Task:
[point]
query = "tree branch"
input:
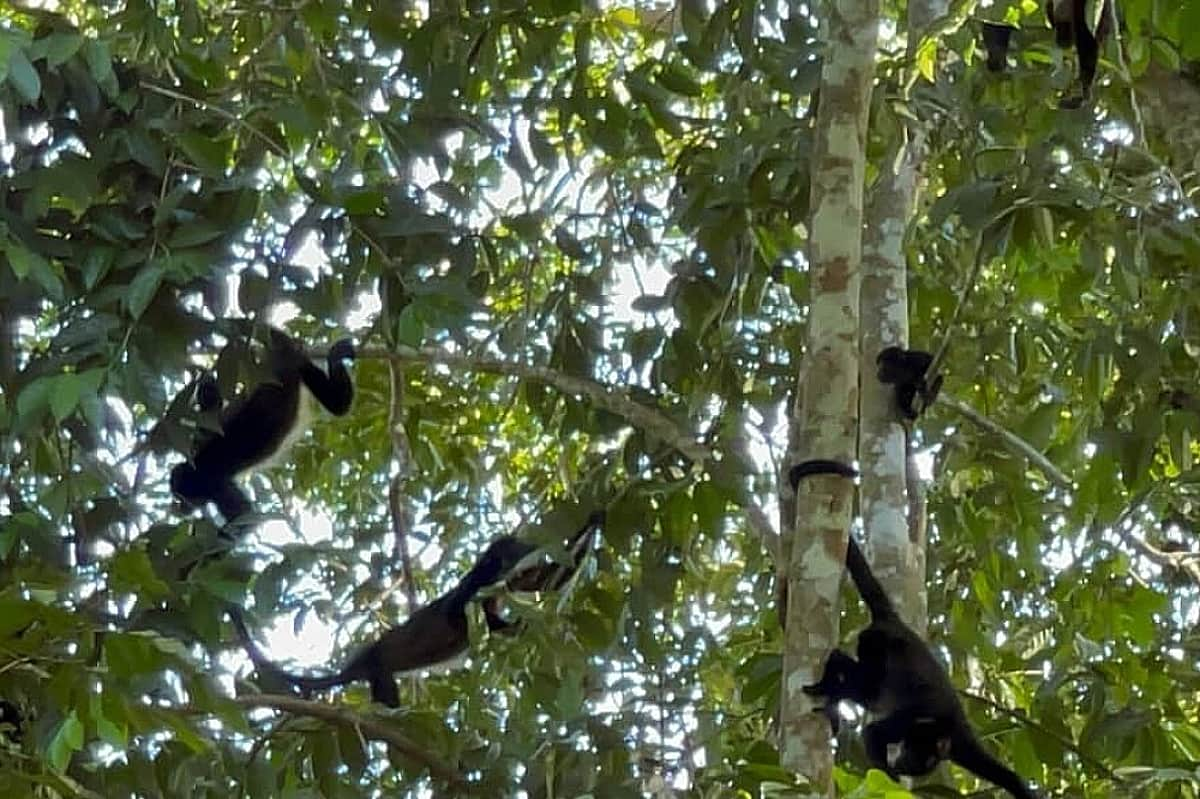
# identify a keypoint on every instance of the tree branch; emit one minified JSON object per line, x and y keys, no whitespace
{"x":645,"y":418}
{"x":1185,"y":562}
{"x":374,"y":728}
{"x":650,"y":420}
{"x":402,"y":456}
{"x":1062,"y":740}
{"x":964,"y":293}
{"x":1010,"y":439}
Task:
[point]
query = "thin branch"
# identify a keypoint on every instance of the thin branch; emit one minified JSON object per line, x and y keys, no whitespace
{"x":647,"y":419}
{"x":964,"y":294}
{"x":240,"y":121}
{"x":1062,"y":740}
{"x":1010,"y":439}
{"x":372,"y":728}
{"x":400,"y":527}
{"x":228,"y":116}
{"x":1185,"y":562}
{"x":402,"y":455}
{"x":756,"y":517}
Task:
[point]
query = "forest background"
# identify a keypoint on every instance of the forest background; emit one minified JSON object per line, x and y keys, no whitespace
{"x":569,"y":239}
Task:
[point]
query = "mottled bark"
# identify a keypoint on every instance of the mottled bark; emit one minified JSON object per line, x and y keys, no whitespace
{"x":825,"y":415}
{"x":893,"y":519}
{"x":883,"y":440}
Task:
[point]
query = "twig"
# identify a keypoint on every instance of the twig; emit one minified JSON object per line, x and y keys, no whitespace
{"x":1063,"y":740}
{"x":279,"y":151}
{"x":1012,"y":440}
{"x":229,"y":116}
{"x":372,"y":728}
{"x":402,"y":455}
{"x":650,"y":420}
{"x":756,"y":517}
{"x":645,"y":418}
{"x":964,"y":293}
{"x":1185,"y":562}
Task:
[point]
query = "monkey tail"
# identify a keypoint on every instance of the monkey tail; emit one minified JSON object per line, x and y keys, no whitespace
{"x":869,"y":589}
{"x":966,"y":751}
{"x":271,"y":671}
{"x":818,"y":466}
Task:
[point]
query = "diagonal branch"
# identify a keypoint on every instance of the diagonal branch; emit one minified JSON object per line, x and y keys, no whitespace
{"x":1063,"y":740}
{"x":374,"y":728}
{"x":1010,"y":439}
{"x":615,"y":401}
{"x":1185,"y":562}
{"x":650,"y":420}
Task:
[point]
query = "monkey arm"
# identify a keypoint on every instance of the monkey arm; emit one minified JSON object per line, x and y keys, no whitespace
{"x":335,"y":391}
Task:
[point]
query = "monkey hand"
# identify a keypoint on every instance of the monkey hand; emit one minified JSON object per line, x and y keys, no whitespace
{"x":342,"y":350}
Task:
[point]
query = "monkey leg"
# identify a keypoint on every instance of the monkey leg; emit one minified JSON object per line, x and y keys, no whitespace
{"x":882,"y":733}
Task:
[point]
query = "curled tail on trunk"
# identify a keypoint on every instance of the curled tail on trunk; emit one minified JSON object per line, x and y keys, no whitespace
{"x":819,"y":466}
{"x":856,"y":563}
{"x":808,"y":468}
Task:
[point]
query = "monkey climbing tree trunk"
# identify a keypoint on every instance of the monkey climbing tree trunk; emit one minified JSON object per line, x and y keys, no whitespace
{"x":824,"y":418}
{"x":891,"y":500}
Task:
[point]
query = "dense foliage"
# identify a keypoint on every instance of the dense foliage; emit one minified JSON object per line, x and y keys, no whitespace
{"x":568,"y":239}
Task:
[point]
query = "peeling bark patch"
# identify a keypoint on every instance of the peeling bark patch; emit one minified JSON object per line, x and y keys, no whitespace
{"x":836,"y":277}
{"x":821,"y":563}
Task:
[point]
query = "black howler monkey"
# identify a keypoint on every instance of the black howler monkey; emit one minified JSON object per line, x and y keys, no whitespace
{"x":434,"y":634}
{"x":11,"y":721}
{"x":906,"y":370}
{"x":260,"y":426}
{"x":901,"y":682}
{"x":1073,"y":27}
{"x":996,"y":38}
{"x":549,"y":576}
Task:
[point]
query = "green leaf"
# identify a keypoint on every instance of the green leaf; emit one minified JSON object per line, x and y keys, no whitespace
{"x":130,"y":655}
{"x":99,"y":61}
{"x":679,"y":79}
{"x":142,"y":289}
{"x":59,"y":48}
{"x":209,"y":154}
{"x":926,"y":59}
{"x":64,"y":395}
{"x":111,"y":733}
{"x":95,"y":265}
{"x":410,"y":330}
{"x":131,"y":572}
{"x":66,"y":741}
{"x":254,"y":291}
{"x":1190,"y":21}
{"x":24,"y":77}
{"x":8,"y":539}
{"x":363,"y":203}
{"x":35,"y":397}
{"x":324,"y":747}
{"x":194,"y":235}
{"x":23,"y":261}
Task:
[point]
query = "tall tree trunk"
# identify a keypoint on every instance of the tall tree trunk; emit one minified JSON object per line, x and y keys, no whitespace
{"x":893,"y":520}
{"x":825,"y":415}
